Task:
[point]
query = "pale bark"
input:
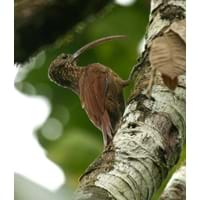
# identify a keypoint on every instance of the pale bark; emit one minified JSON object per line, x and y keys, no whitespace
{"x":151,"y":135}
{"x":176,"y":188}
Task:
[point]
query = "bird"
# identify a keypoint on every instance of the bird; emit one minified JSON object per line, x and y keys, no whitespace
{"x":99,"y":88}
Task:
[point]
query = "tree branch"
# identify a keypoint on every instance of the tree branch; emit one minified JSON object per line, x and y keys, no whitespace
{"x":39,"y":22}
{"x":151,"y":135}
{"x":176,"y":188}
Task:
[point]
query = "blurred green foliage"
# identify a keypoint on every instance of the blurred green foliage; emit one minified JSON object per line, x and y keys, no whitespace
{"x":77,"y":142}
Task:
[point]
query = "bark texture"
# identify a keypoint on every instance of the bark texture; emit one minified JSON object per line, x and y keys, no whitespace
{"x":151,"y":134}
{"x":39,"y":22}
{"x":176,"y":188}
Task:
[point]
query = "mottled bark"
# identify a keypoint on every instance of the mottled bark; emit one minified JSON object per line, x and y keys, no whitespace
{"x":151,"y":135}
{"x":39,"y":22}
{"x":176,"y":188}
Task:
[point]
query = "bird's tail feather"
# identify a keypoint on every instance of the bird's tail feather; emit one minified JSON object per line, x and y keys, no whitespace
{"x":107,"y":129}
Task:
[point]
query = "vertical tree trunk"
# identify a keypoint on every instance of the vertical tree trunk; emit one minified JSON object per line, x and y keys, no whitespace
{"x":151,"y":135}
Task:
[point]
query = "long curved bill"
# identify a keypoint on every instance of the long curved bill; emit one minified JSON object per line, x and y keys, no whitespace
{"x":96,"y":43}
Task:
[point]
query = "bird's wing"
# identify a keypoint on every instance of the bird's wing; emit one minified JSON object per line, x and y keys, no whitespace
{"x":93,"y":88}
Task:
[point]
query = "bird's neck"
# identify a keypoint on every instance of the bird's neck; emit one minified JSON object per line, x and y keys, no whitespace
{"x":66,"y":76}
{"x":71,"y":78}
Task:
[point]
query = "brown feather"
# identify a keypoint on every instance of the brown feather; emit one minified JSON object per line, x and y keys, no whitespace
{"x":94,"y":94}
{"x":169,"y":82}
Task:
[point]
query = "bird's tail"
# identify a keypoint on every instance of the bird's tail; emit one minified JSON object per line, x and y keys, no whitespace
{"x":107,"y":129}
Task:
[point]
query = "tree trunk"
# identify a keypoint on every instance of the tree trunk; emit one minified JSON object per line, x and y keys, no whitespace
{"x":176,"y":188}
{"x":151,"y":135}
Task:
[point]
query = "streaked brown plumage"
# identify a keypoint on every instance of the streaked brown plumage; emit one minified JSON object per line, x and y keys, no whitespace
{"x":101,"y":95}
{"x":99,"y":88}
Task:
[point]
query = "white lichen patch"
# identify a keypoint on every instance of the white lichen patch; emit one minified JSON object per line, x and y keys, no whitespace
{"x":182,"y":81}
{"x":156,"y":26}
{"x":176,"y":187}
{"x":167,"y":102}
{"x":148,"y":104}
{"x":180,"y":3}
{"x":157,"y":23}
{"x":155,"y":4}
{"x":113,"y":185}
{"x":130,"y":107}
{"x":83,"y":194}
{"x":179,"y":176}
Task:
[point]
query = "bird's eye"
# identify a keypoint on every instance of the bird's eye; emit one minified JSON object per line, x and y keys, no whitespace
{"x":63,"y":56}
